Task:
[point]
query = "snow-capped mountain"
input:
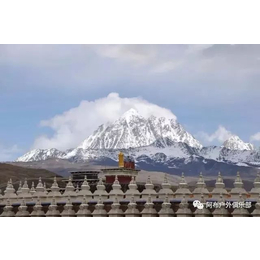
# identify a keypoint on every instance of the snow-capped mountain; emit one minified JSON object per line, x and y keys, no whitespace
{"x":235,"y":143}
{"x":133,"y":130}
{"x":155,"y":144}
{"x":41,"y":154}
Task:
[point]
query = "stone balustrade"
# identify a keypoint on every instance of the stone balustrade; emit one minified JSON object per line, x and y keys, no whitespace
{"x":167,"y":202}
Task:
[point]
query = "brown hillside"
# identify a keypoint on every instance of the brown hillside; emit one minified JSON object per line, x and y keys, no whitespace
{"x":17,"y":174}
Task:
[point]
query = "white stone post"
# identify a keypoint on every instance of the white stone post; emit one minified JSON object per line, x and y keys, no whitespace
{"x":183,"y":189}
{"x":219,"y":189}
{"x":100,"y":191}
{"x":68,"y":209}
{"x":149,"y":210}
{"x":8,"y":210}
{"x":238,"y":188}
{"x":115,"y":209}
{"x":22,"y":210}
{"x":52,"y":210}
{"x":220,"y":208}
{"x":200,"y":189}
{"x":132,"y":190}
{"x":85,"y":191}
{"x":99,"y":209}
{"x":132,"y":211}
{"x":166,"y":210}
{"x":166,"y":190}
{"x":37,"y":209}
{"x":184,"y":210}
{"x":255,"y":191}
{"x":83,"y":209}
{"x":116,"y":191}
{"x":149,"y":190}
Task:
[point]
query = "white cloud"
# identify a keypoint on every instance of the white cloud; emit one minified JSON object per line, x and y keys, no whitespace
{"x":255,"y":137}
{"x":8,"y":153}
{"x":220,"y":135}
{"x":76,"y":124}
{"x":136,"y":54}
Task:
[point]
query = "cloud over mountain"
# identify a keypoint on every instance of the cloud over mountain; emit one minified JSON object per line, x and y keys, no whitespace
{"x":74,"y":125}
{"x":220,"y":135}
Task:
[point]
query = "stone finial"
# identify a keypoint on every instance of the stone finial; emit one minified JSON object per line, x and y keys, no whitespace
{"x":202,"y":212}
{"x":8,"y":210}
{"x":183,"y":188}
{"x":22,"y":210}
{"x":100,"y":182}
{"x":40,"y":190}
{"x":132,"y":180}
{"x":115,"y":209}
{"x":132,"y":190}
{"x":256,"y":212}
{"x":83,"y":209}
{"x":149,"y":180}
{"x":52,"y":210}
{"x":69,"y":184}
{"x":166,"y":189}
{"x":19,"y":188}
{"x":240,"y":211}
{"x":25,"y":191}
{"x":219,"y":188}
{"x":220,"y":209}
{"x":255,"y":191}
{"x":55,"y":189}
{"x":25,"y":184}
{"x":55,"y":184}
{"x":166,"y":210}
{"x":85,"y":190}
{"x":10,"y":191}
{"x":116,"y":180}
{"x":201,"y":181}
{"x":238,"y":188}
{"x":149,"y":190}
{"x":44,"y":186}
{"x":99,"y":209}
{"x":149,"y":210}
{"x":70,"y":189}
{"x":32,"y":191}
{"x":132,"y":211}
{"x":39,"y":182}
{"x":238,"y":181}
{"x":183,"y":181}
{"x":116,"y":191}
{"x":37,"y":209}
{"x":68,"y":209}
{"x":85,"y":185}
{"x":219,"y":181}
{"x":101,"y":190}
{"x":184,"y":210}
{"x":201,"y":188}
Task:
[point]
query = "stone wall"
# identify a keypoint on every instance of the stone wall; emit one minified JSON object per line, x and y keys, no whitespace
{"x":84,"y":202}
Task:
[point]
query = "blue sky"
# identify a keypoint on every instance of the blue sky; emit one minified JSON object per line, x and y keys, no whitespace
{"x":46,"y":91}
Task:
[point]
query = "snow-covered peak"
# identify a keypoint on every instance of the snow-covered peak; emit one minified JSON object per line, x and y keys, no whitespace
{"x":235,"y":143}
{"x":40,"y":154}
{"x":133,"y":130}
{"x":130,"y":113}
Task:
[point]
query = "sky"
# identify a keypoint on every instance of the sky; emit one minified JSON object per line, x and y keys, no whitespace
{"x":54,"y":96}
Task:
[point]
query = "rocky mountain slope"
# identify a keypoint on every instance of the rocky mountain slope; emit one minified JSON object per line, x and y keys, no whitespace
{"x":132,"y":130}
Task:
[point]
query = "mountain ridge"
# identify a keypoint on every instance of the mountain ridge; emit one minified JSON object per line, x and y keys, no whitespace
{"x":154,"y":141}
